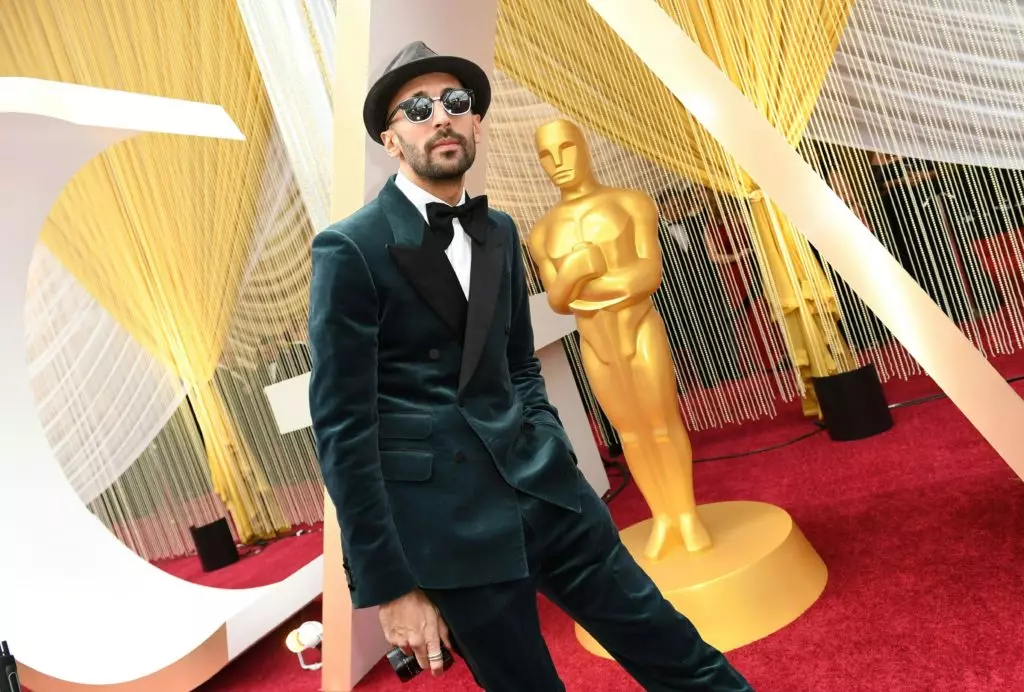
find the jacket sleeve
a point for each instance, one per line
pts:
(523, 364)
(343, 326)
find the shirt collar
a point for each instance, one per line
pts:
(419, 197)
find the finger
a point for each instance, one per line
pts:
(434, 655)
(419, 650)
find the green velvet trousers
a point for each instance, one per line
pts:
(578, 561)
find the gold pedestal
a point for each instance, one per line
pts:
(759, 575)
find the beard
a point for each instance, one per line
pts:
(430, 164)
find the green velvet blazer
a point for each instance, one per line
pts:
(429, 411)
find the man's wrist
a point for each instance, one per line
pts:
(383, 587)
(405, 595)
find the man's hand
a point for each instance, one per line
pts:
(413, 624)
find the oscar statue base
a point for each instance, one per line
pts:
(759, 575)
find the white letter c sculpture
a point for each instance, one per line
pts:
(77, 606)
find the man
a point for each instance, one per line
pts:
(454, 482)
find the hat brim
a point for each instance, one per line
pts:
(469, 74)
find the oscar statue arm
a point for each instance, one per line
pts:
(563, 285)
(643, 277)
(343, 327)
(523, 363)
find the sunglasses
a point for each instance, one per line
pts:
(420, 109)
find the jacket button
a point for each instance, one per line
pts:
(434, 354)
(459, 457)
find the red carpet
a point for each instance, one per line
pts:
(921, 529)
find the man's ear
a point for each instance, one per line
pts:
(478, 132)
(390, 143)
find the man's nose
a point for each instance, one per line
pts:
(441, 117)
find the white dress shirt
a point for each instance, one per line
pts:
(460, 251)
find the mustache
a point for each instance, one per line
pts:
(432, 142)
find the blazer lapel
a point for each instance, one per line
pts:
(422, 261)
(485, 277)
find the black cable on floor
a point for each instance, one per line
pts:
(819, 427)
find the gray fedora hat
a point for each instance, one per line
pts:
(415, 60)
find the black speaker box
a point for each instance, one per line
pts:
(853, 404)
(215, 545)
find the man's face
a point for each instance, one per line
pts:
(442, 147)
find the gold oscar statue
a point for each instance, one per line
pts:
(739, 570)
(600, 260)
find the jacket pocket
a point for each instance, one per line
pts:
(404, 444)
(405, 426)
(405, 431)
(406, 465)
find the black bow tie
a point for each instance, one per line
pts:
(472, 214)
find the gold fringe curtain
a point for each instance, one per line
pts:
(159, 228)
(776, 51)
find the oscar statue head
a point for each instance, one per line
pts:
(564, 155)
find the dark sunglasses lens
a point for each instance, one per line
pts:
(419, 109)
(457, 102)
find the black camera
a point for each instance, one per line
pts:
(8, 671)
(407, 667)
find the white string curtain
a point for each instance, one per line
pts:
(293, 41)
(102, 397)
(273, 292)
(266, 339)
(918, 128)
(940, 80)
